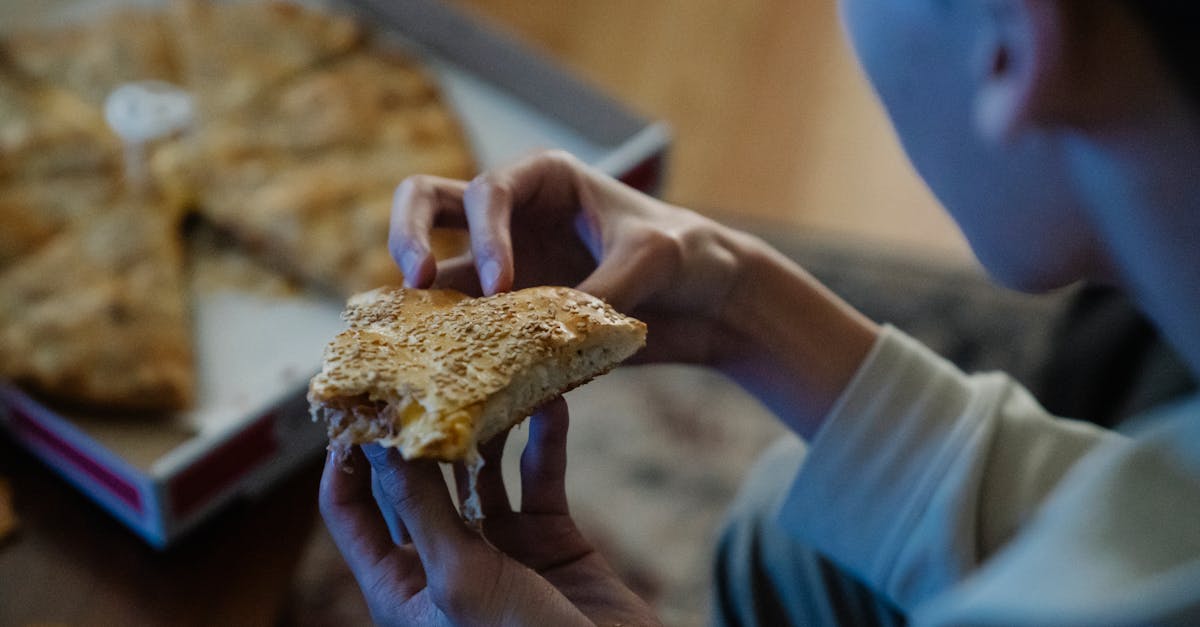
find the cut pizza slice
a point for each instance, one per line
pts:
(98, 316)
(35, 210)
(92, 58)
(47, 131)
(369, 97)
(305, 177)
(433, 372)
(230, 53)
(324, 220)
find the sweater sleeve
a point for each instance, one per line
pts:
(921, 472)
(1117, 544)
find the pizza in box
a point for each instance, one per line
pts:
(300, 126)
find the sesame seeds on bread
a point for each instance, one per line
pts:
(433, 372)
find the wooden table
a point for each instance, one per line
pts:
(73, 564)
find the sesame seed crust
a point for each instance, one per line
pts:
(416, 369)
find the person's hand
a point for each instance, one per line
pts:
(552, 220)
(530, 567)
(710, 295)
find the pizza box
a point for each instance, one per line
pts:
(255, 352)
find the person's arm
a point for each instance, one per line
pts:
(921, 473)
(788, 339)
(1117, 544)
(710, 294)
(917, 472)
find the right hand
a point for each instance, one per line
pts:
(552, 220)
(531, 566)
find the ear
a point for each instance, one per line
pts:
(1023, 67)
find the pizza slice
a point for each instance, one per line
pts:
(98, 315)
(370, 97)
(433, 372)
(92, 58)
(305, 176)
(35, 210)
(46, 131)
(324, 220)
(230, 53)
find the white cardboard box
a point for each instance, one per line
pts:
(255, 354)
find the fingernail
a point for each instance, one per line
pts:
(374, 452)
(489, 274)
(408, 262)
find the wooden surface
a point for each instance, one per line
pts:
(773, 119)
(73, 564)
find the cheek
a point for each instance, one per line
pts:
(1014, 203)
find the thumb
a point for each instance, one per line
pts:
(625, 278)
(418, 494)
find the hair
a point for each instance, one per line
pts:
(1175, 26)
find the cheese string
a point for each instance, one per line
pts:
(472, 510)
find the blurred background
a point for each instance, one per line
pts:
(773, 119)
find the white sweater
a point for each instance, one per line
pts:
(963, 501)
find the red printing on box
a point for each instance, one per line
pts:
(222, 466)
(646, 175)
(119, 487)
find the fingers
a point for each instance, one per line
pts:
(490, 199)
(417, 492)
(353, 519)
(544, 461)
(622, 279)
(467, 580)
(394, 524)
(421, 203)
(489, 214)
(553, 183)
(639, 263)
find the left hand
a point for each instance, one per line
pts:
(530, 567)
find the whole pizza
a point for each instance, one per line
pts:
(302, 126)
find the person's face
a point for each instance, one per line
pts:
(1013, 201)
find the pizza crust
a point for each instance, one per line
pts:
(434, 372)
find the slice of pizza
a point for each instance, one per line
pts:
(433, 372)
(46, 131)
(370, 97)
(35, 210)
(98, 315)
(230, 53)
(324, 220)
(305, 177)
(92, 58)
